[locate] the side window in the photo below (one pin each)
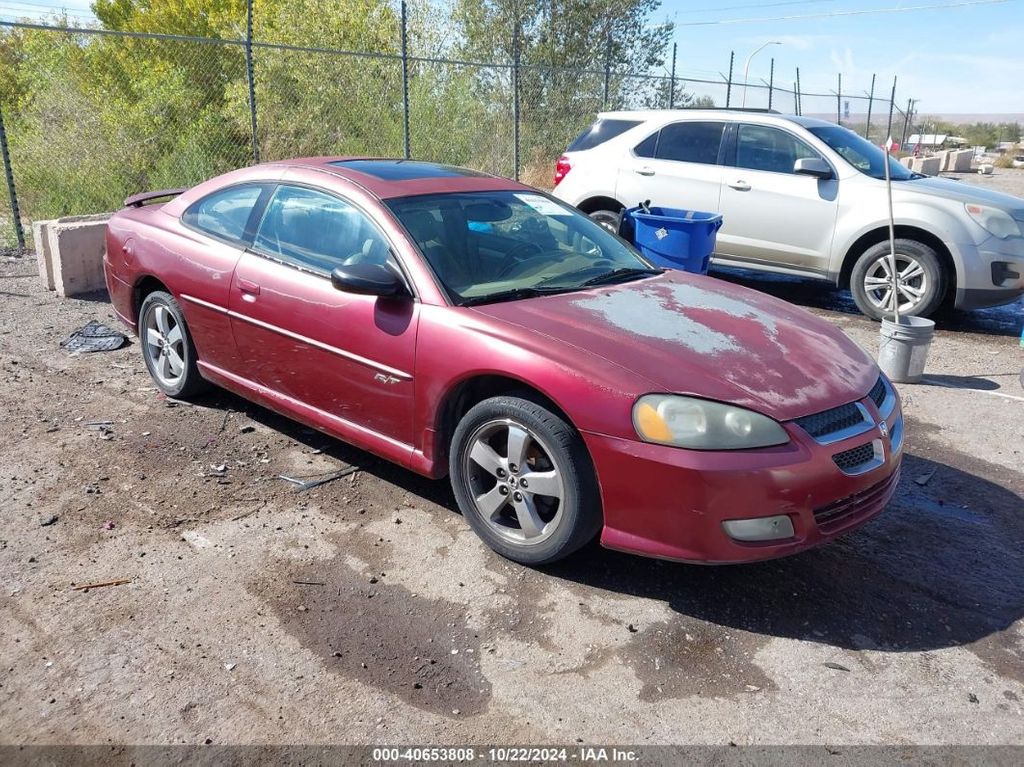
(691, 142)
(224, 213)
(600, 132)
(317, 231)
(760, 147)
(646, 147)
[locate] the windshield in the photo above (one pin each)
(495, 246)
(860, 153)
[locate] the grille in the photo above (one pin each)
(830, 421)
(853, 508)
(877, 392)
(851, 459)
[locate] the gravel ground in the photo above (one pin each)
(365, 611)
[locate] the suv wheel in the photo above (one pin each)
(921, 282)
(524, 480)
(609, 219)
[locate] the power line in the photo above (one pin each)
(756, 5)
(835, 14)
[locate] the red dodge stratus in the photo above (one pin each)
(458, 323)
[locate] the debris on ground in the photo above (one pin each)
(308, 483)
(94, 337)
(52, 520)
(101, 585)
(835, 666)
(923, 479)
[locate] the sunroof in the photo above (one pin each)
(404, 170)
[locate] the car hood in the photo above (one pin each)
(961, 192)
(696, 335)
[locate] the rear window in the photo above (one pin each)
(224, 213)
(600, 132)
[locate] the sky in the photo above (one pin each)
(954, 60)
(967, 59)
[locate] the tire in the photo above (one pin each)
(609, 219)
(531, 524)
(923, 291)
(167, 347)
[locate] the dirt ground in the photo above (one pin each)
(365, 610)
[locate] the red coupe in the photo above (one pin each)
(461, 324)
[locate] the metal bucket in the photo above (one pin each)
(903, 348)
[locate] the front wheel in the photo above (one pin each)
(920, 280)
(524, 480)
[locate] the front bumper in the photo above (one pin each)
(670, 503)
(992, 273)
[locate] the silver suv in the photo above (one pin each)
(806, 197)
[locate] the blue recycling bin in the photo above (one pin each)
(673, 238)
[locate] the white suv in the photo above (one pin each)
(806, 197)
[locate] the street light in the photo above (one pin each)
(746, 67)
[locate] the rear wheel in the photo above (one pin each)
(167, 346)
(920, 280)
(524, 480)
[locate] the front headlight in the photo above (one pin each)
(993, 220)
(699, 424)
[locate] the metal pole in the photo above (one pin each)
(771, 82)
(728, 84)
(839, 101)
(405, 80)
(799, 106)
(672, 81)
(607, 69)
(250, 77)
(906, 121)
(871, 103)
(892, 106)
(9, 174)
(894, 275)
(515, 101)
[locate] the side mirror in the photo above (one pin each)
(813, 166)
(368, 280)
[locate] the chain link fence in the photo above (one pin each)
(93, 115)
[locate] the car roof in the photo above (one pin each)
(387, 178)
(714, 114)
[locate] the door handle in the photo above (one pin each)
(740, 186)
(248, 287)
(645, 171)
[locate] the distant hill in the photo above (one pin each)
(962, 118)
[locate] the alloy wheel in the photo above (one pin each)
(516, 485)
(911, 283)
(164, 345)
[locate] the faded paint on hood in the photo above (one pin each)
(701, 336)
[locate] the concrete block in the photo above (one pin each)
(41, 238)
(962, 161)
(948, 159)
(908, 161)
(76, 246)
(930, 166)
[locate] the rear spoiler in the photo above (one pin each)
(138, 200)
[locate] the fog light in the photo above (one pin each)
(759, 529)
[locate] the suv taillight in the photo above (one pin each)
(562, 168)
